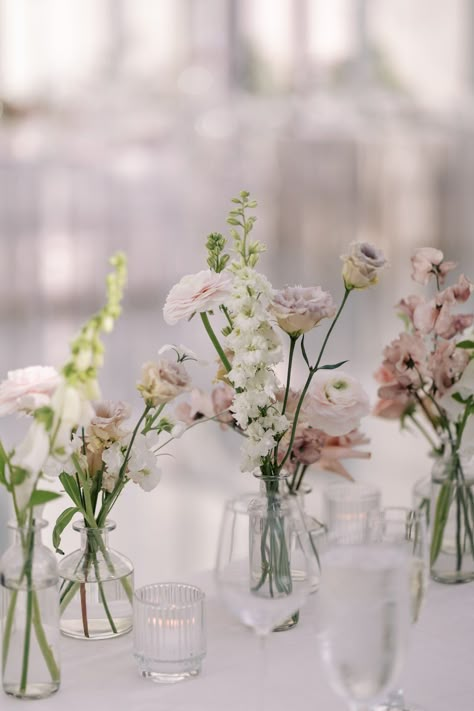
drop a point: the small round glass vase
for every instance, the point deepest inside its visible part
(96, 592)
(452, 519)
(30, 615)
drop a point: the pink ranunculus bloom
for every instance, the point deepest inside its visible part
(425, 262)
(405, 358)
(298, 309)
(27, 389)
(335, 402)
(338, 448)
(194, 293)
(447, 363)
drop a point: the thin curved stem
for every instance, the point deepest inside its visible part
(215, 341)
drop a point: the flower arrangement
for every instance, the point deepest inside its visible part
(284, 429)
(427, 380)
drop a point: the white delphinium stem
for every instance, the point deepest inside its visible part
(256, 350)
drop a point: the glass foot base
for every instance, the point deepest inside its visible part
(32, 691)
(394, 707)
(164, 678)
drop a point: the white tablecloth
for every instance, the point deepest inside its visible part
(439, 673)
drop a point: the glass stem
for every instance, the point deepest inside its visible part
(262, 671)
(396, 699)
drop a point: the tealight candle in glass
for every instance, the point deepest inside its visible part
(169, 636)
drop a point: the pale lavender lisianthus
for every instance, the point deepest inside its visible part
(298, 309)
(362, 265)
(196, 293)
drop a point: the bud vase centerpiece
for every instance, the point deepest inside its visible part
(427, 383)
(283, 429)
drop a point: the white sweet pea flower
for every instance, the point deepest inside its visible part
(113, 459)
(71, 410)
(182, 353)
(179, 429)
(142, 465)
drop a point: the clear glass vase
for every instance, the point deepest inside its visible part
(452, 519)
(30, 615)
(273, 543)
(96, 590)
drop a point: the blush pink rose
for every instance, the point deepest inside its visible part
(27, 389)
(335, 402)
(199, 292)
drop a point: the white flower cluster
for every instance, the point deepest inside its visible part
(255, 349)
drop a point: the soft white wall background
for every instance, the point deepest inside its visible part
(130, 125)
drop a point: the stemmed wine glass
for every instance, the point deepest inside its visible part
(265, 563)
(407, 529)
(364, 616)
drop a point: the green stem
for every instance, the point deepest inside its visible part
(8, 628)
(423, 431)
(43, 642)
(215, 342)
(310, 377)
(103, 598)
(29, 607)
(293, 341)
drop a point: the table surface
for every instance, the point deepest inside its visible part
(438, 676)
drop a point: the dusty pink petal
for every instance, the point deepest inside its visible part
(390, 409)
(425, 316)
(407, 306)
(424, 262)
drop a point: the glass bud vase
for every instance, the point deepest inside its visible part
(273, 546)
(29, 615)
(96, 590)
(452, 520)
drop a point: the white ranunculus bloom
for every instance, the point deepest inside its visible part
(335, 402)
(196, 293)
(27, 389)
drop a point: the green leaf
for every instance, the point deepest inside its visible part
(46, 416)
(333, 366)
(64, 519)
(440, 519)
(18, 476)
(71, 488)
(465, 344)
(3, 461)
(41, 496)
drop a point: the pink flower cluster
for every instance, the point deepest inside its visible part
(424, 362)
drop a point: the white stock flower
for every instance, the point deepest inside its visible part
(113, 459)
(142, 465)
(27, 389)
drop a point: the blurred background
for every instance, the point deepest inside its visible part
(129, 124)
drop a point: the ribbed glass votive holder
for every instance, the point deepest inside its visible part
(169, 635)
(347, 507)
